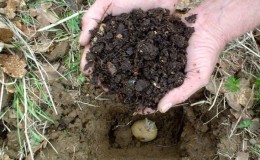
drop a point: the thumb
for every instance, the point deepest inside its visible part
(91, 19)
(193, 82)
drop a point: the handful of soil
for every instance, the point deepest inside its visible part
(140, 55)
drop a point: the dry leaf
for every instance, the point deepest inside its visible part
(6, 34)
(44, 46)
(33, 12)
(6, 157)
(45, 17)
(242, 156)
(213, 86)
(59, 51)
(13, 65)
(244, 115)
(255, 127)
(11, 7)
(233, 102)
(244, 97)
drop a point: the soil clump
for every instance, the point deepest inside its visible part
(140, 55)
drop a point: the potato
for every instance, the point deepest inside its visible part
(144, 130)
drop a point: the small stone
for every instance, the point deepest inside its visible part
(119, 36)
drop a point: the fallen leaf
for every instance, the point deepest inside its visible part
(6, 35)
(11, 8)
(13, 65)
(237, 114)
(59, 51)
(30, 32)
(33, 12)
(231, 64)
(242, 156)
(44, 46)
(213, 86)
(232, 99)
(45, 17)
(244, 97)
(255, 127)
(6, 157)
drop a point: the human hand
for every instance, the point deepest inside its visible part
(218, 21)
(101, 8)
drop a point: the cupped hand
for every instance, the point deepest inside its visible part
(218, 21)
(101, 8)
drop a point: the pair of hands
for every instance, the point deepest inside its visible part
(213, 29)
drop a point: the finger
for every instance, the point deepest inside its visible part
(202, 57)
(193, 82)
(145, 110)
(86, 67)
(91, 19)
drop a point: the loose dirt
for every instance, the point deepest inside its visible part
(140, 55)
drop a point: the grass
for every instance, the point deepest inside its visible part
(29, 114)
(232, 84)
(32, 91)
(257, 89)
(242, 55)
(245, 124)
(255, 149)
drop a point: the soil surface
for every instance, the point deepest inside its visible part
(103, 132)
(140, 55)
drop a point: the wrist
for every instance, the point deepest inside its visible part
(228, 19)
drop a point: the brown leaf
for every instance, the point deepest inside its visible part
(11, 7)
(242, 156)
(59, 51)
(6, 34)
(6, 157)
(44, 46)
(45, 17)
(244, 97)
(13, 65)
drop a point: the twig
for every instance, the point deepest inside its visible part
(2, 93)
(46, 140)
(92, 105)
(200, 102)
(251, 51)
(215, 99)
(100, 98)
(60, 21)
(25, 121)
(214, 117)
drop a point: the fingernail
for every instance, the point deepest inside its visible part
(166, 107)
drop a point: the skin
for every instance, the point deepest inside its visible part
(217, 23)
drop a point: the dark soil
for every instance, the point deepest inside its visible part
(140, 55)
